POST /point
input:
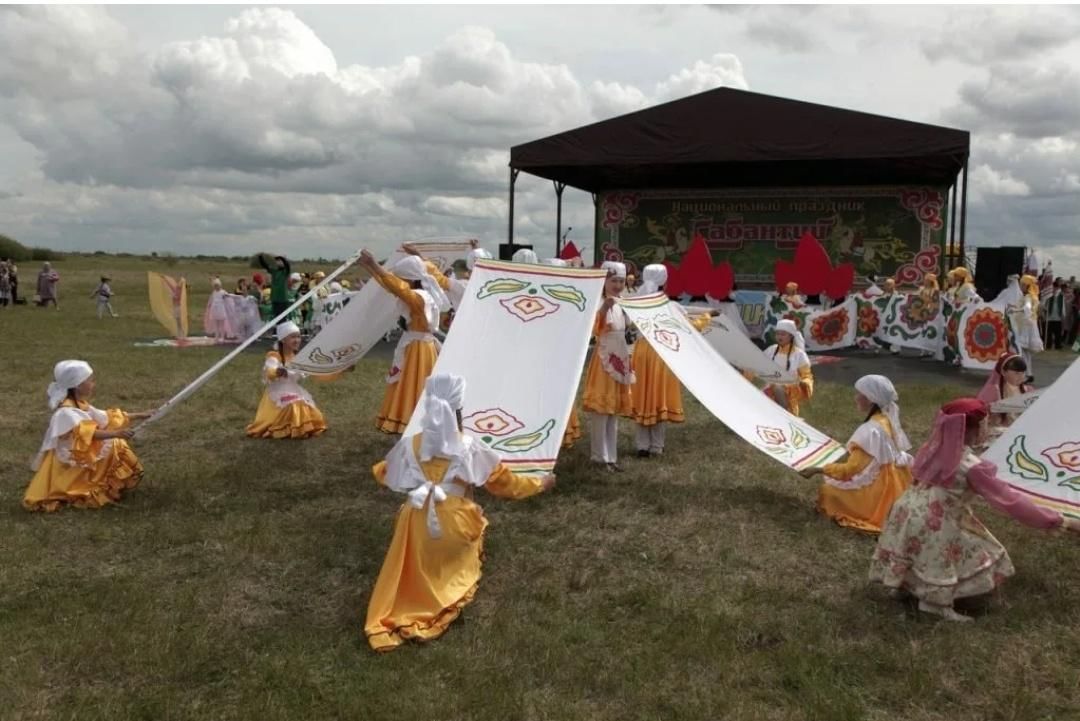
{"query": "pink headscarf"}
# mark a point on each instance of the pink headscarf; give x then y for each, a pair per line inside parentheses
(991, 390)
(940, 456)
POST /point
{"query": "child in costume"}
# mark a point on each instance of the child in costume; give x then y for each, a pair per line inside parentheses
(656, 396)
(859, 492)
(1025, 320)
(85, 460)
(1007, 380)
(789, 354)
(791, 296)
(932, 545)
(433, 566)
(421, 300)
(961, 286)
(610, 374)
(930, 293)
(217, 314)
(103, 294)
(286, 410)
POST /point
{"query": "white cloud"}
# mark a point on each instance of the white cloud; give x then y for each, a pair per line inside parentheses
(986, 181)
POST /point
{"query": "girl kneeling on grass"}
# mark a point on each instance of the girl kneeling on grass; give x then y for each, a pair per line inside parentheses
(1006, 381)
(859, 492)
(432, 567)
(286, 410)
(85, 460)
(932, 546)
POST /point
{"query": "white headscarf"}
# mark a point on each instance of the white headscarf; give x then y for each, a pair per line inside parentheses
(525, 255)
(788, 326)
(444, 395)
(67, 374)
(557, 262)
(881, 392)
(612, 266)
(653, 277)
(336, 287)
(474, 255)
(412, 268)
(286, 329)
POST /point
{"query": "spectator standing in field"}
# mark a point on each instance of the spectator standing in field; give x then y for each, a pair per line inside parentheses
(1054, 312)
(13, 276)
(46, 286)
(279, 283)
(103, 294)
(5, 284)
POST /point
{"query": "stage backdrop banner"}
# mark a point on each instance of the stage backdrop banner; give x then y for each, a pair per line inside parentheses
(1039, 454)
(723, 391)
(369, 316)
(519, 339)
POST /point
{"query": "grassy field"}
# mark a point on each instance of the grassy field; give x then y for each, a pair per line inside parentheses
(232, 584)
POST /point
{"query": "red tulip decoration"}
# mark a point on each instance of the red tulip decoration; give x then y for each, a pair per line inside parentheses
(695, 275)
(814, 272)
(570, 251)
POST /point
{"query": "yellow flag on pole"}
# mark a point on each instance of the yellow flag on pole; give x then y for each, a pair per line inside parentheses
(168, 301)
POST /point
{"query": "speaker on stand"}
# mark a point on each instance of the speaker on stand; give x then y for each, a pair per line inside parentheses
(993, 266)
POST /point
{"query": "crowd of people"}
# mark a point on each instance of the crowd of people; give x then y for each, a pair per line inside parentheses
(931, 545)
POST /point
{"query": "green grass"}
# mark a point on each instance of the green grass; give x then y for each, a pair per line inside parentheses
(233, 583)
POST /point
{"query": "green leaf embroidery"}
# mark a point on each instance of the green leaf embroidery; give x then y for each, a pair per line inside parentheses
(526, 441)
(499, 286)
(1022, 464)
(567, 294)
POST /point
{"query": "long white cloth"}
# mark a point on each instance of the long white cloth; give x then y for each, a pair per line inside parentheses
(740, 351)
(369, 316)
(736, 402)
(519, 340)
(1039, 453)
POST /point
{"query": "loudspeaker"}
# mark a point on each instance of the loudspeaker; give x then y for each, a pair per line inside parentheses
(507, 250)
(993, 266)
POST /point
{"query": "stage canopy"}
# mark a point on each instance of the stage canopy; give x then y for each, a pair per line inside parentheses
(734, 138)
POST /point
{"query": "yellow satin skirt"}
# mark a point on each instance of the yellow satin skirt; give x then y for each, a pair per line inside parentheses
(865, 508)
(656, 396)
(603, 394)
(425, 582)
(296, 420)
(57, 484)
(401, 397)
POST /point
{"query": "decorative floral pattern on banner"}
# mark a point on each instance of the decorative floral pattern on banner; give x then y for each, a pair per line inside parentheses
(1039, 453)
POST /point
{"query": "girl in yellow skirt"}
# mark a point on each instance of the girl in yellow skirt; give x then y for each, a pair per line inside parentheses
(432, 568)
(286, 410)
(789, 355)
(859, 492)
(422, 300)
(656, 396)
(84, 460)
(610, 375)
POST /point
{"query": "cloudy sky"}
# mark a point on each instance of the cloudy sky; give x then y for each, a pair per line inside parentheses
(313, 130)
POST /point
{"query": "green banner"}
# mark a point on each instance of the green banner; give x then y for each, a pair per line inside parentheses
(889, 230)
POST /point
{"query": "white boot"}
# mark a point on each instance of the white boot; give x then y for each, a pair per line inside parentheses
(946, 612)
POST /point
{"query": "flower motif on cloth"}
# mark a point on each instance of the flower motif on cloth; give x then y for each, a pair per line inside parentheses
(1064, 463)
(830, 328)
(1066, 455)
(669, 339)
(985, 335)
(916, 312)
(771, 436)
(528, 308)
(868, 319)
(492, 422)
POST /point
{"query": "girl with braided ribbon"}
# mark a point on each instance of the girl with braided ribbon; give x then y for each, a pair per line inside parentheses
(286, 410)
(421, 301)
(859, 492)
(932, 546)
(610, 375)
(85, 460)
(1025, 320)
(432, 568)
(656, 396)
(961, 287)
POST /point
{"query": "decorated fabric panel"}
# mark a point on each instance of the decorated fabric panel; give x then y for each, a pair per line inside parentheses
(1039, 454)
(369, 316)
(326, 309)
(168, 302)
(519, 339)
(822, 329)
(723, 391)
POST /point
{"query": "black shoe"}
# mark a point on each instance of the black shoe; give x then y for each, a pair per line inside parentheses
(643, 453)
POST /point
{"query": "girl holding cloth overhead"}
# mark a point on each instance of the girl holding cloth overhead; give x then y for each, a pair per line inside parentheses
(422, 301)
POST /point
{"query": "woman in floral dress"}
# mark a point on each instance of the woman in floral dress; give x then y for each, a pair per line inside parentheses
(932, 545)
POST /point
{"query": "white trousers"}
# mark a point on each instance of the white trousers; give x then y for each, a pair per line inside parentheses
(651, 438)
(603, 438)
(1029, 358)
